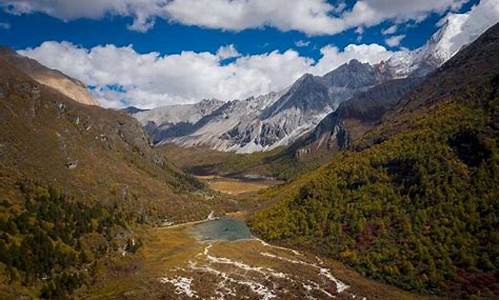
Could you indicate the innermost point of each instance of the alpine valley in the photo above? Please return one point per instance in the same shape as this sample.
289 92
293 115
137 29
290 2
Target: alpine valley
371 181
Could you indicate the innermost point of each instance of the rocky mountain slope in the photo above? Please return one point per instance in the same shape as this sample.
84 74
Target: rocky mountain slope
75 182
221 130
68 86
279 119
414 201
352 119
174 120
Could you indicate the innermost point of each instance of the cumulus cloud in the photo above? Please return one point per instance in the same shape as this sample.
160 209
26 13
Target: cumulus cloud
228 51
5 26
313 17
120 76
332 57
394 40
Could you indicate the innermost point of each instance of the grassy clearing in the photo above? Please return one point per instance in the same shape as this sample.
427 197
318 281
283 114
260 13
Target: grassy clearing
235 186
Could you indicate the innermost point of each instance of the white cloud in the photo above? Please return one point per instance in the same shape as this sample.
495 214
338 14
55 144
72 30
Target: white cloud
390 30
302 43
122 76
149 80
228 51
5 26
394 40
313 17
332 57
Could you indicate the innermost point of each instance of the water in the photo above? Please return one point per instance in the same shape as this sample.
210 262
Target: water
226 229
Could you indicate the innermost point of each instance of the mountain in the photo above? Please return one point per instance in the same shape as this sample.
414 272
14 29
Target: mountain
76 182
173 120
361 113
456 31
280 119
68 86
353 118
82 148
414 201
265 122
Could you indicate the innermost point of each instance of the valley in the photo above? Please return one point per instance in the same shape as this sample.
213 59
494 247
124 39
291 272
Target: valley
369 172
178 262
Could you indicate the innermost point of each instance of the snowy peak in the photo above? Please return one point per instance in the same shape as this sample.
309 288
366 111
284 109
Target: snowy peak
456 31
279 119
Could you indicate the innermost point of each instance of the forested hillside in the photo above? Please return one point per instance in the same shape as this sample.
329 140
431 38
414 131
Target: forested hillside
415 202
76 181
57 239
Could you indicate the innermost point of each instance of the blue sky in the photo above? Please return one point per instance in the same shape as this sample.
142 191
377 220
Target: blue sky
30 30
156 52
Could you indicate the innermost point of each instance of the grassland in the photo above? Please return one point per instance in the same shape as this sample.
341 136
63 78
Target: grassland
234 186
246 267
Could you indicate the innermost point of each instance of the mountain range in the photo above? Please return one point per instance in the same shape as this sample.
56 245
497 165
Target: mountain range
306 107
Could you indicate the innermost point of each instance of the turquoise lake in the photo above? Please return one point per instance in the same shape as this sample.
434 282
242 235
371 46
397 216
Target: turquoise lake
226 229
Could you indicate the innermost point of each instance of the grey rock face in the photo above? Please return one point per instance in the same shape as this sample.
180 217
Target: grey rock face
364 109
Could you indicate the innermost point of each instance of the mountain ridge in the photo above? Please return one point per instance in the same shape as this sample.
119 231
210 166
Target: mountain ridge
414 202
70 87
292 114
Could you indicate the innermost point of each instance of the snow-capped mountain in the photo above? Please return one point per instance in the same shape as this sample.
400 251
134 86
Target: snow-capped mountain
456 31
265 122
279 119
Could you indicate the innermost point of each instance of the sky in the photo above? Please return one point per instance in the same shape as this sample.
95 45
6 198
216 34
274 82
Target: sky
149 53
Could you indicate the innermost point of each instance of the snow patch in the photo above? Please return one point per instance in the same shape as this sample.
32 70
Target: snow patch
182 285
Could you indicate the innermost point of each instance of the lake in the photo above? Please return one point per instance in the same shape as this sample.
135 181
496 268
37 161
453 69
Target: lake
227 229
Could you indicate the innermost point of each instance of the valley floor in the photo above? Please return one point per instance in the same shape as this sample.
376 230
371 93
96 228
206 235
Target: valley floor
173 264
234 186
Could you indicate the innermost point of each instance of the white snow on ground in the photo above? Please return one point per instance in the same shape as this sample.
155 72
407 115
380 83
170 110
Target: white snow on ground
256 287
264 271
226 285
182 285
323 271
280 248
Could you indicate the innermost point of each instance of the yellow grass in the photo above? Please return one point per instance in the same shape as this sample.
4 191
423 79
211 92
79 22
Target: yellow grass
234 186
167 252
